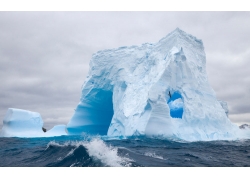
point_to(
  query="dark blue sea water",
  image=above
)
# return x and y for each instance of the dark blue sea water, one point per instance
(86, 151)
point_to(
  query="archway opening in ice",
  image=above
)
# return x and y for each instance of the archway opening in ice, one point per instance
(175, 104)
(94, 114)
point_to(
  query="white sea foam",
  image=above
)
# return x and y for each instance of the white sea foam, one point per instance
(107, 154)
(54, 143)
(153, 155)
(97, 149)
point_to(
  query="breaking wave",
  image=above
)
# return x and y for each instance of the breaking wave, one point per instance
(92, 153)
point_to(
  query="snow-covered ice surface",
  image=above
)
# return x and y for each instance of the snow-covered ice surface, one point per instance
(127, 93)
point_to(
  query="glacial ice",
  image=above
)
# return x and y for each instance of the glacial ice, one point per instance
(23, 123)
(127, 89)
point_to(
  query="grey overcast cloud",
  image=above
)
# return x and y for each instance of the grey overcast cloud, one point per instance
(44, 56)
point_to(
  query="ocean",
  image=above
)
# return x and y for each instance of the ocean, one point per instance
(87, 151)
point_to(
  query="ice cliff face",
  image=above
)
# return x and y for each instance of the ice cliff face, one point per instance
(156, 89)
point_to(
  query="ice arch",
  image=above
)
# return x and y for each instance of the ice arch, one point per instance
(94, 114)
(175, 104)
(142, 76)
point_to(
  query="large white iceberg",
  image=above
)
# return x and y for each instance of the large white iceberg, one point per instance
(159, 89)
(23, 123)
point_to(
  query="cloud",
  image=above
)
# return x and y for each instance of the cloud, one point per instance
(229, 76)
(44, 56)
(240, 119)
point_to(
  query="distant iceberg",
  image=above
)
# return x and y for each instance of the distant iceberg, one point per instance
(58, 130)
(23, 123)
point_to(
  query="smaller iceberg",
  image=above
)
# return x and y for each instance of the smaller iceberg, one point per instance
(245, 126)
(58, 130)
(23, 123)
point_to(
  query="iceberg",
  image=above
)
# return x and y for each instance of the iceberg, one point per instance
(156, 89)
(58, 130)
(245, 126)
(23, 123)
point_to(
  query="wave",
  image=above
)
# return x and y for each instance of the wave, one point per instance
(88, 153)
(153, 155)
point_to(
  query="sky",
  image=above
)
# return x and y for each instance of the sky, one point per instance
(44, 56)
